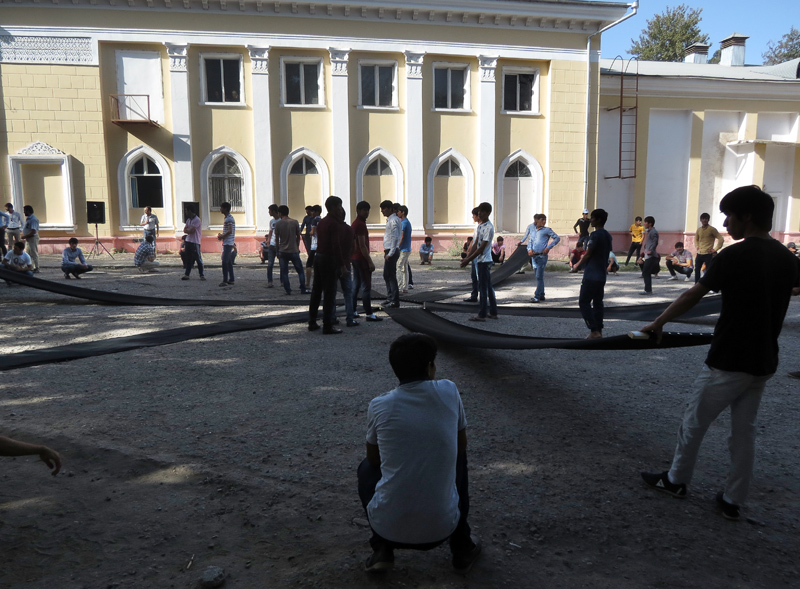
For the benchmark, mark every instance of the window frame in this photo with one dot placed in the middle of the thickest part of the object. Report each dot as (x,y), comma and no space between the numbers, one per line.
(234,209)
(445,65)
(319,62)
(536,109)
(204,82)
(146,174)
(395,84)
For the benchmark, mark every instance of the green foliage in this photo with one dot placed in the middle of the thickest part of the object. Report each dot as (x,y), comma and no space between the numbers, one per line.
(455,247)
(668,34)
(717,57)
(787,49)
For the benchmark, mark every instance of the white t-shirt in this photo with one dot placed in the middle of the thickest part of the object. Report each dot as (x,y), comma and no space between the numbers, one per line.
(22,259)
(484,234)
(151,221)
(229,239)
(272,223)
(415,427)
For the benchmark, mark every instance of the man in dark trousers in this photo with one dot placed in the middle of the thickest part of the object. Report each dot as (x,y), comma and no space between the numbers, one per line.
(329,264)
(595,264)
(651,260)
(744,350)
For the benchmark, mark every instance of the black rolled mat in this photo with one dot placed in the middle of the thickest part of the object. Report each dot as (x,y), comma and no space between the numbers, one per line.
(707,306)
(422,321)
(114,298)
(511,266)
(143,340)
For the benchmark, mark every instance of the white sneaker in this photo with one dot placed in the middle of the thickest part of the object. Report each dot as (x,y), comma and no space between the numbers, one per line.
(672,278)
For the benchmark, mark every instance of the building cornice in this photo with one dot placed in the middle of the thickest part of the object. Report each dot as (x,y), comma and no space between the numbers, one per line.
(567,17)
(658,87)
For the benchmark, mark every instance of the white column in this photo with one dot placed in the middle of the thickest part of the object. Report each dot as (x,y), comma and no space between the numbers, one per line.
(415,171)
(262,148)
(181,130)
(340,113)
(486,133)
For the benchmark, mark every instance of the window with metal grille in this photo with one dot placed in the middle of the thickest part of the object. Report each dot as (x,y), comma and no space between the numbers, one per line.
(448,168)
(225,184)
(147,189)
(378,168)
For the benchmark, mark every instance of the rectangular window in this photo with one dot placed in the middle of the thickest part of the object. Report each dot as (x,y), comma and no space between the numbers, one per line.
(222,79)
(520,90)
(450,85)
(302,85)
(377,84)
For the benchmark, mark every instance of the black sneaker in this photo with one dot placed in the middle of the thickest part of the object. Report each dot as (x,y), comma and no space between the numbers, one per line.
(462,563)
(660,481)
(729,510)
(381,561)
(67,276)
(470,300)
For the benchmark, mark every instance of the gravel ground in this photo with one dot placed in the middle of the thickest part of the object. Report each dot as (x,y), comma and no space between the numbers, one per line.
(240,451)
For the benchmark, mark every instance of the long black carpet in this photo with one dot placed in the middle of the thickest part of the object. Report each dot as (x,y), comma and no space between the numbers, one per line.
(707,306)
(143,340)
(422,321)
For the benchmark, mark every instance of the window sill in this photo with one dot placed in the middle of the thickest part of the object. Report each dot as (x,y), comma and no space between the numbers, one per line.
(439,226)
(522,113)
(379,108)
(304,106)
(137,228)
(237,228)
(58,227)
(225,104)
(453,110)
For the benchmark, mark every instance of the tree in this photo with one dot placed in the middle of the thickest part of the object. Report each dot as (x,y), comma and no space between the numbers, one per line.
(787,49)
(668,34)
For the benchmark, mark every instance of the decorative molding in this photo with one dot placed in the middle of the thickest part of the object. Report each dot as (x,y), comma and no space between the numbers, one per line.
(177,57)
(339,59)
(259,59)
(62,50)
(414,64)
(488,65)
(40,148)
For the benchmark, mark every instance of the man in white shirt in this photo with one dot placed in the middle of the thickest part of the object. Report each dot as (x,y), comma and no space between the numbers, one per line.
(481,252)
(392,236)
(30,234)
(413,483)
(14,229)
(150,223)
(16,259)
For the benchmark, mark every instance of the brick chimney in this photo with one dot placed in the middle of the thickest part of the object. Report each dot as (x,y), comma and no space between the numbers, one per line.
(696,53)
(733,50)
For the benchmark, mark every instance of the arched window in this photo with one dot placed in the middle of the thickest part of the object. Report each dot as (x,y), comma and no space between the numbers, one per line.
(146,184)
(449,168)
(518,170)
(303,167)
(225,184)
(380,167)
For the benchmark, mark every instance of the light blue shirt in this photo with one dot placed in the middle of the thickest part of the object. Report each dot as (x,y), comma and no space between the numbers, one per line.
(485,235)
(405,242)
(3,219)
(72,257)
(31,225)
(540,239)
(15,220)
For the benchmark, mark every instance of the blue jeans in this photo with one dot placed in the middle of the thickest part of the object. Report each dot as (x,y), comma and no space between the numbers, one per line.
(227,263)
(346,285)
(590,302)
(487,300)
(362,280)
(539,262)
(474,274)
(294,258)
(272,252)
(75,269)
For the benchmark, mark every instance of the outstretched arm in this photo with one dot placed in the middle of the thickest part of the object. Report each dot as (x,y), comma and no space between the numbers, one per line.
(682,304)
(50,457)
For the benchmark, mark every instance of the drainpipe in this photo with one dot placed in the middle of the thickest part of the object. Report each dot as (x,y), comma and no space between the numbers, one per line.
(634,8)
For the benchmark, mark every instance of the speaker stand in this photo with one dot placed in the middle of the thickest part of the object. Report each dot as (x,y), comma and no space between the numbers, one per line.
(98,246)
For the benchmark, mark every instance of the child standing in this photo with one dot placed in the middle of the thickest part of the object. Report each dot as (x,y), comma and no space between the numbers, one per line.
(227,237)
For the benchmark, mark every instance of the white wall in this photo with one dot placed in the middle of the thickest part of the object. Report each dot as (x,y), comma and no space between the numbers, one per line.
(668,150)
(139,72)
(777,126)
(778,172)
(716,171)
(613,195)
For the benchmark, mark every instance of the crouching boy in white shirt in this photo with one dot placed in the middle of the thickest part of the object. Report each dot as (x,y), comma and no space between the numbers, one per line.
(413,483)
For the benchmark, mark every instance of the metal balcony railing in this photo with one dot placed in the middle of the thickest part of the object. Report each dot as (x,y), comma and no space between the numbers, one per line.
(131,108)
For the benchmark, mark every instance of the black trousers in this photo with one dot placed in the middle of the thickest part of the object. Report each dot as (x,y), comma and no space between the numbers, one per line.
(590,302)
(673,268)
(191,256)
(325,275)
(651,266)
(636,247)
(390,277)
(460,541)
(699,260)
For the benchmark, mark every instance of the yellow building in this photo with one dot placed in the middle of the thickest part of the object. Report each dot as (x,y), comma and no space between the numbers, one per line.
(688,133)
(163,102)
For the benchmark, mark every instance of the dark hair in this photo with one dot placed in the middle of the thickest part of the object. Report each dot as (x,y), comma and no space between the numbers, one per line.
(499,238)
(8,204)
(73,240)
(272,207)
(470,238)
(190,208)
(679,244)
(318,209)
(538,216)
(485,207)
(387,204)
(363,205)
(650,220)
(396,206)
(283,210)
(749,200)
(637,219)
(410,356)
(149,237)
(332,202)
(19,244)
(475,211)
(28,210)
(403,208)
(428,238)
(601,215)
(705,216)
(309,208)
(225,207)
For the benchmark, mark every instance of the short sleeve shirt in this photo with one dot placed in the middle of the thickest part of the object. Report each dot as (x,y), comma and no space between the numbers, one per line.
(272,224)
(22,259)
(359,228)
(600,246)
(405,241)
(230,222)
(416,427)
(31,224)
(198,226)
(484,234)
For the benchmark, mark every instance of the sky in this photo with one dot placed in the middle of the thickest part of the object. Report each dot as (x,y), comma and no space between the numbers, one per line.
(762,21)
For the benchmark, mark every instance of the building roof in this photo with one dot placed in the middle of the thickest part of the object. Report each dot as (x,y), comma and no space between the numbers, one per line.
(787,71)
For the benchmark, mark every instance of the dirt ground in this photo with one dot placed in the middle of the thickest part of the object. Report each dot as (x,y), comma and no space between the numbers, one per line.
(240,451)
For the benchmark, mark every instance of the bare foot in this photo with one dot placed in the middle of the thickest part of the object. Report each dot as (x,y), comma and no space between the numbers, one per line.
(595,335)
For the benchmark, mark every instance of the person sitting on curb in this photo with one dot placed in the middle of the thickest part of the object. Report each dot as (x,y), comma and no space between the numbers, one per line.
(613,265)
(18,260)
(413,483)
(426,251)
(72,261)
(499,251)
(576,255)
(50,457)
(145,256)
(680,262)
